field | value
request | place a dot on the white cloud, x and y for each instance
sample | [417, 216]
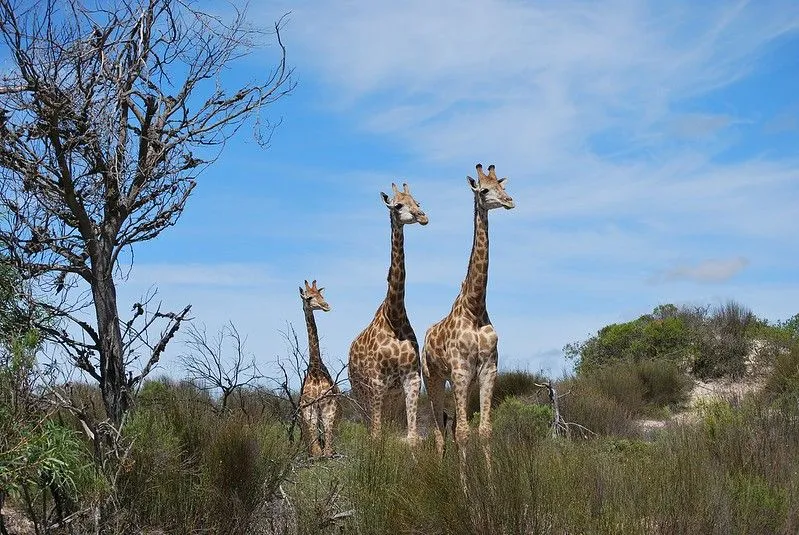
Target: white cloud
[707, 271]
[581, 107]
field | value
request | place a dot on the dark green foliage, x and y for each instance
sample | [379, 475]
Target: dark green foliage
[721, 342]
[664, 334]
[196, 467]
[43, 464]
[709, 343]
[518, 421]
[783, 381]
[734, 473]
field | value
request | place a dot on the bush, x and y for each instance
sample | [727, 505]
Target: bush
[664, 334]
[783, 379]
[195, 467]
[623, 391]
[515, 383]
[721, 342]
[585, 404]
[518, 421]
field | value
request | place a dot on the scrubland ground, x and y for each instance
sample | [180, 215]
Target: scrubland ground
[723, 457]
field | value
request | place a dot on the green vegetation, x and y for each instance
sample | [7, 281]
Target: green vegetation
[188, 466]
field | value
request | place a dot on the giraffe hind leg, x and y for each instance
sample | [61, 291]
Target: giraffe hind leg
[435, 392]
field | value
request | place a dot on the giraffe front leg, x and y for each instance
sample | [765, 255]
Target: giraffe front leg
[376, 411]
[329, 415]
[411, 384]
[310, 417]
[460, 383]
[435, 392]
[486, 378]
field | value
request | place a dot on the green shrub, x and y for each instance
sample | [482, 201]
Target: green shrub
[721, 344]
[196, 468]
[514, 383]
[585, 404]
[664, 334]
[665, 384]
[783, 379]
[519, 421]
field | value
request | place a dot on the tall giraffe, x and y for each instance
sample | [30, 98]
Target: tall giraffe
[319, 394]
[463, 345]
[384, 357]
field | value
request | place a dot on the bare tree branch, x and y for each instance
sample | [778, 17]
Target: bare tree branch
[220, 362]
[109, 111]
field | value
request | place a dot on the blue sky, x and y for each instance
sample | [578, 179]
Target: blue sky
[651, 149]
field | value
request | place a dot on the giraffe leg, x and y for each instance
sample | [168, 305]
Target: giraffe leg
[435, 393]
[376, 411]
[460, 383]
[411, 384]
[329, 414]
[487, 377]
[310, 416]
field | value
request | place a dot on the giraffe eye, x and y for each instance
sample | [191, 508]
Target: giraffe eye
[484, 191]
[398, 206]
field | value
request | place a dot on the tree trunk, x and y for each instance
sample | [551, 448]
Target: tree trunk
[112, 373]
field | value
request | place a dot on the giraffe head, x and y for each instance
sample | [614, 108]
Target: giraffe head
[404, 207]
[312, 297]
[490, 190]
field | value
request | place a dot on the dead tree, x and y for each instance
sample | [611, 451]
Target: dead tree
[108, 113]
[559, 426]
[219, 363]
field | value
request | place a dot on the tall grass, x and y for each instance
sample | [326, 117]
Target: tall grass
[734, 473]
[194, 467]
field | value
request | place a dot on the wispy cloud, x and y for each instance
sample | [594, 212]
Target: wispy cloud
[707, 271]
[621, 153]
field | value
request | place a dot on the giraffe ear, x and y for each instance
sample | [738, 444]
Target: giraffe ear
[320, 290]
[302, 292]
[501, 180]
[472, 183]
[386, 199]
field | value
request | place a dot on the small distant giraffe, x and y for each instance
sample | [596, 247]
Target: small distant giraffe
[463, 345]
[384, 357]
[319, 394]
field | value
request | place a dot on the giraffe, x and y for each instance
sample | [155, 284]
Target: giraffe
[319, 394]
[463, 345]
[384, 357]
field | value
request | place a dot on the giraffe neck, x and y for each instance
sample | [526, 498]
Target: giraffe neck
[395, 296]
[314, 355]
[476, 282]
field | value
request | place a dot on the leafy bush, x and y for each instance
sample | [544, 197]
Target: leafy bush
[607, 398]
[664, 334]
[584, 403]
[721, 342]
[783, 380]
[194, 467]
[514, 383]
[712, 343]
[518, 421]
